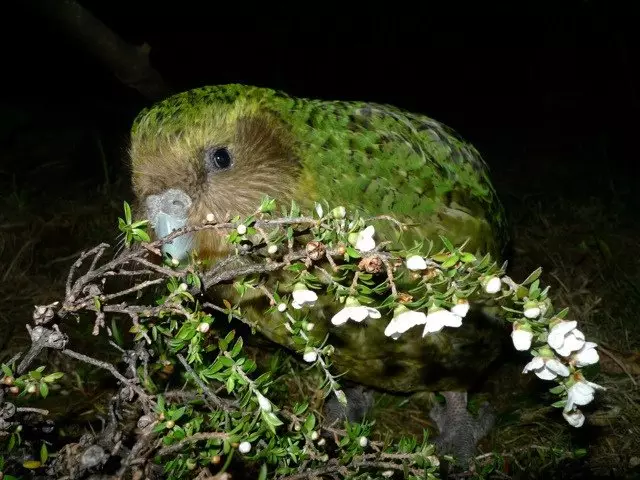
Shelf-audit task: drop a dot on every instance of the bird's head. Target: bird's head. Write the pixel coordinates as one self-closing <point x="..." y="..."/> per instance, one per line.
<point x="209" y="152"/>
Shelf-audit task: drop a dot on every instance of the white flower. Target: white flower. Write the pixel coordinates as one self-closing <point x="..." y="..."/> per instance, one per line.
<point x="203" y="327"/>
<point x="565" y="338"/>
<point x="403" y="320"/>
<point x="587" y="355"/>
<point x="354" y="311"/>
<point x="282" y="307"/>
<point x="314" y="435"/>
<point x="210" y="217"/>
<point x="365" y="241"/>
<point x="461" y="308"/>
<point x="363" y="441"/>
<point x="575" y="418"/>
<point x="319" y="210"/>
<point x="310" y="326"/>
<point x="244" y="447"/>
<point x="416" y="262"/>
<point x="302" y="296"/>
<point x="493" y="285"/>
<point x="581" y="393"/>
<point x="264" y="403"/>
<point x="272" y="249"/>
<point x="438" y="319"/>
<point x="521" y="338"/>
<point x="242" y="229"/>
<point x="532" y="312"/>
<point x="310" y="356"/>
<point x="546" y="368"/>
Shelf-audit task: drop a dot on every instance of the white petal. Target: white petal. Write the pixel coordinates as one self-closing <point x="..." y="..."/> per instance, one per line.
<point x="310" y="356"/>
<point x="573" y="341"/>
<point x="534" y="364"/>
<point x="416" y="262"/>
<point x="556" y="366"/>
<point x="595" y="386"/>
<point x="392" y="328"/>
<point x="341" y="317"/>
<point x="461" y="309"/>
<point x="587" y="356"/>
<point x="545" y="374"/>
<point x="575" y="418"/>
<point x="264" y="403"/>
<point x="373" y="313"/>
<point x="493" y="285"/>
<point x="532" y="312"/>
<point x="581" y="393"/>
<point x="559" y="331"/>
<point x="358" y="314"/>
<point x="453" y="321"/>
<point x="521" y="339"/>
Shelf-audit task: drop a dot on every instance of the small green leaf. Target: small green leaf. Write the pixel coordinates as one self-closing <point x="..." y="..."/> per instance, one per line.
<point x="310" y="423"/>
<point x="53" y="377"/>
<point x="557" y="390"/>
<point x="263" y="472"/>
<point x="533" y="276"/>
<point x="447" y="243"/>
<point x="127" y="212"/>
<point x="7" y="371"/>
<point x="468" y="257"/>
<point x="44" y="453"/>
<point x="451" y="261"/>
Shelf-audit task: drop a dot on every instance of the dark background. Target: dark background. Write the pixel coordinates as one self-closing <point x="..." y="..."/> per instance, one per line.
<point x="524" y="75"/>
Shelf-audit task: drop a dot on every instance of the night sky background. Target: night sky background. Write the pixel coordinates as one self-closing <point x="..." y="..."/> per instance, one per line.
<point x="547" y="91"/>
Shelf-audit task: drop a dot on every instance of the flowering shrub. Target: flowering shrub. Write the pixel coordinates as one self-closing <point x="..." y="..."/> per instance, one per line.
<point x="227" y="407"/>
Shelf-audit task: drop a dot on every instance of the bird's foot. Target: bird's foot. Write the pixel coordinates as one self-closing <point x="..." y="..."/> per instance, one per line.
<point x="459" y="430"/>
<point x="359" y="402"/>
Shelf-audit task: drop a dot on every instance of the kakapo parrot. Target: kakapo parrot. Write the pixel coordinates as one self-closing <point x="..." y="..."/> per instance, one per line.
<point x="218" y="150"/>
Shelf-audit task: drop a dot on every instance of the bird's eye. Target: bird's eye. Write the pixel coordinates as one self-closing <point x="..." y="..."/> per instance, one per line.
<point x="218" y="158"/>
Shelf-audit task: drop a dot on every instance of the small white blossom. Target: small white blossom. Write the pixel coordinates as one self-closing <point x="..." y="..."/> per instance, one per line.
<point x="587" y="355"/>
<point x="310" y="356"/>
<point x="365" y="241"/>
<point x="546" y="368"/>
<point x="210" y="217"/>
<point x="183" y="287"/>
<point x="314" y="435"/>
<point x="416" y="262"/>
<point x="403" y="320"/>
<point x="581" y="393"/>
<point x="521" y="337"/>
<point x="264" y="403"/>
<point x="175" y="262"/>
<point x="461" y="308"/>
<point x="565" y="338"/>
<point x="244" y="447"/>
<point x="282" y="307"/>
<point x="203" y="327"/>
<point x="532" y="312"/>
<point x="321" y="442"/>
<point x="387" y="473"/>
<point x="272" y="249"/>
<point x="363" y="441"/>
<point x="354" y="311"/>
<point x="438" y="319"/>
<point x="310" y="326"/>
<point x="319" y="210"/>
<point x="493" y="285"/>
<point x="242" y="229"/>
<point x="302" y="296"/>
<point x="575" y="417"/>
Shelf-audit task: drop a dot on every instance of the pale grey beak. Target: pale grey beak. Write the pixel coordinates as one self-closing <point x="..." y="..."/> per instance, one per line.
<point x="167" y="212"/>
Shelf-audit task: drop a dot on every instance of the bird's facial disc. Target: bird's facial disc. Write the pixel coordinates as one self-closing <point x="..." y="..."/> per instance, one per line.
<point x="169" y="211"/>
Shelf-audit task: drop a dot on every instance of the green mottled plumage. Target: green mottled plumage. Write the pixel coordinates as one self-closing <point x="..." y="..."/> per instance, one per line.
<point x="374" y="157"/>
